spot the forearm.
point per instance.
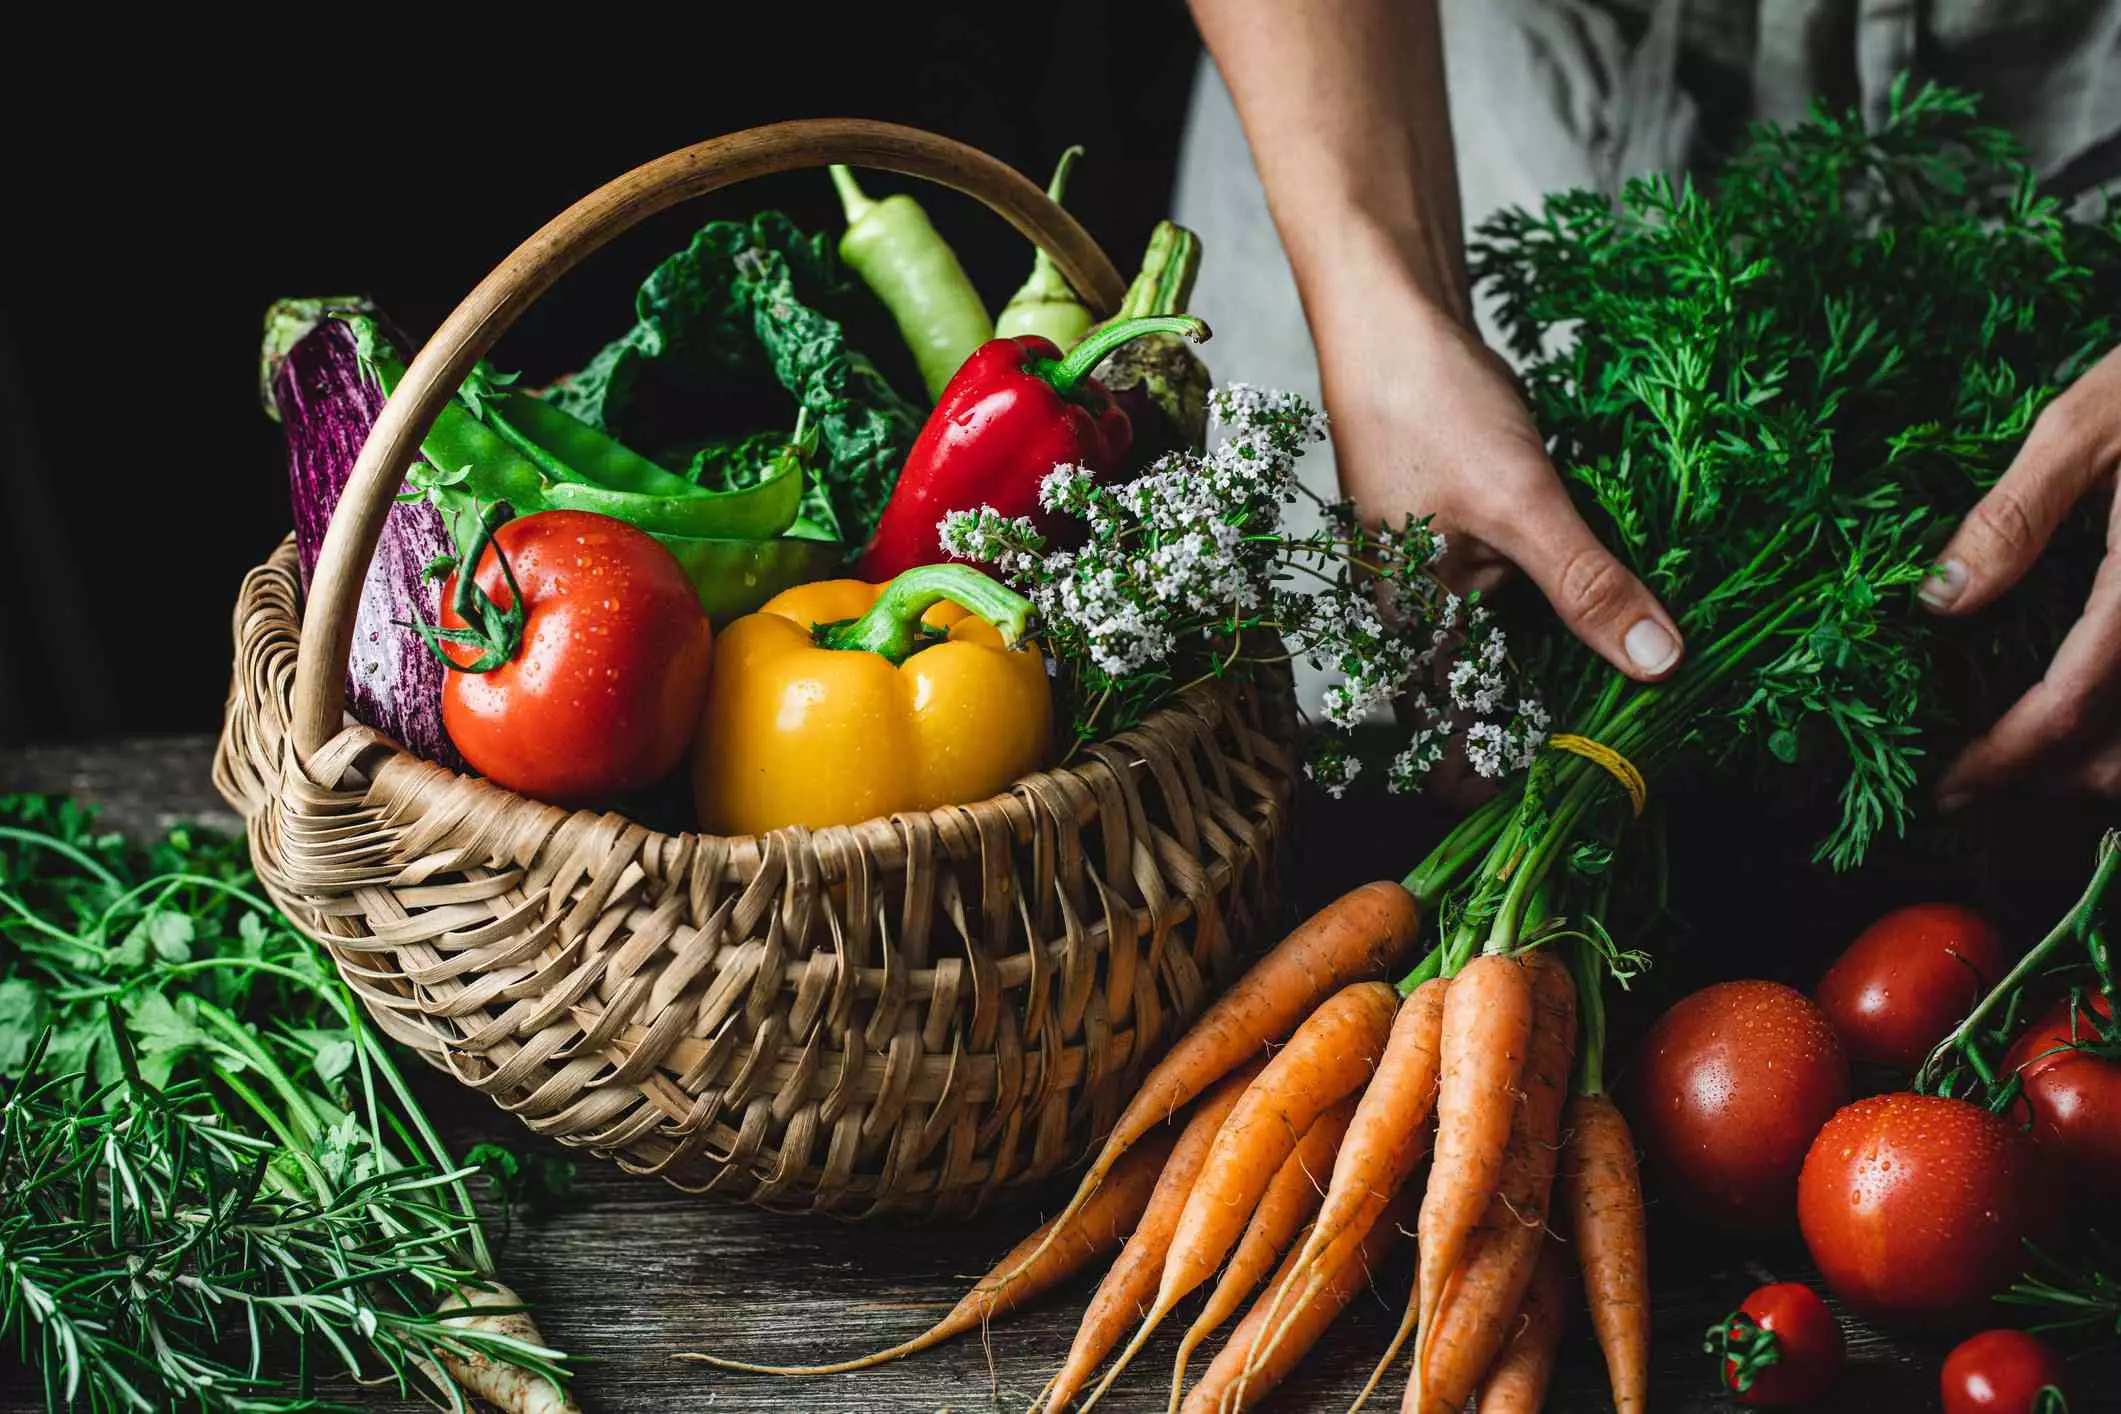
(1344, 105)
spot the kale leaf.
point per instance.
(746, 302)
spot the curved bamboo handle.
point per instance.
(563, 242)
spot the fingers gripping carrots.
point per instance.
(1131, 1280)
(1362, 934)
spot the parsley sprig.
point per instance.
(215, 1184)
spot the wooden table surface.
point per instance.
(630, 1271)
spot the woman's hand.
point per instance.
(1345, 107)
(1427, 420)
(2066, 730)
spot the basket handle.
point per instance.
(563, 242)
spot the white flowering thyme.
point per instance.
(1188, 573)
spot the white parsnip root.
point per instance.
(509, 1388)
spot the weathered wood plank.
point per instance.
(631, 1272)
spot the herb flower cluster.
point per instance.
(1189, 573)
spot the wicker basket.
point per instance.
(907, 1015)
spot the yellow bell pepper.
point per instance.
(841, 701)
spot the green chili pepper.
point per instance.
(900, 255)
(1047, 305)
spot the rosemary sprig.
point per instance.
(150, 1253)
(2083, 1296)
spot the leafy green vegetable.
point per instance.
(753, 300)
(1776, 397)
(208, 1159)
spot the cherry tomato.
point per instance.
(1908, 979)
(604, 693)
(1917, 1208)
(1782, 1349)
(2001, 1372)
(2075, 1098)
(1729, 1088)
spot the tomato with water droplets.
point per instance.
(2074, 1095)
(2003, 1372)
(1908, 979)
(1917, 1207)
(1728, 1090)
(604, 692)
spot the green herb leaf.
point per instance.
(163, 1031)
(21, 1022)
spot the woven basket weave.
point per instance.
(907, 1015)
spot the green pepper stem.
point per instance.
(892, 627)
(1067, 374)
(855, 202)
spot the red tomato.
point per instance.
(2001, 1372)
(2075, 1098)
(1917, 1208)
(1802, 1361)
(1908, 979)
(1730, 1086)
(606, 689)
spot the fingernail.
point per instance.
(1944, 585)
(1952, 802)
(1651, 646)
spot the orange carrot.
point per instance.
(1329, 1058)
(1227, 1386)
(1487, 1025)
(1518, 1383)
(1290, 1201)
(1093, 1230)
(1602, 1192)
(1363, 933)
(1131, 1280)
(1472, 1320)
(1387, 1138)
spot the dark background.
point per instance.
(181, 190)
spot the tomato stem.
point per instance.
(1746, 1348)
(2077, 924)
(495, 630)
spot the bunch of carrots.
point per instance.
(1439, 1106)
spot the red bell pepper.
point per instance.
(1014, 411)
